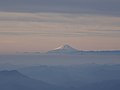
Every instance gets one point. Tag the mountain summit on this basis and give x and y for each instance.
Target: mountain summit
(65, 49)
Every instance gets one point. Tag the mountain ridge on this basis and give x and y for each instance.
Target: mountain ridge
(14, 80)
(67, 49)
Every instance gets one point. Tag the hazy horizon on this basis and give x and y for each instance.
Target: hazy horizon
(37, 25)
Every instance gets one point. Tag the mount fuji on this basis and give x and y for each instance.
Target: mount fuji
(65, 49)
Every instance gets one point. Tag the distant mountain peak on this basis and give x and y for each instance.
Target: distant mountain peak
(65, 49)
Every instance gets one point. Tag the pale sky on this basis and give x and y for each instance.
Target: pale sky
(42, 25)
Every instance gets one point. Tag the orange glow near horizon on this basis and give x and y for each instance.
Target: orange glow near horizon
(41, 32)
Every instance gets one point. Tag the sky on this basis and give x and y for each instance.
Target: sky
(42, 25)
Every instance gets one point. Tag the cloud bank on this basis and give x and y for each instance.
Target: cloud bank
(105, 7)
(58, 24)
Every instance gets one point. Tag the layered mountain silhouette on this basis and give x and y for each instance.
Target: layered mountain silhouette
(13, 80)
(84, 77)
(73, 75)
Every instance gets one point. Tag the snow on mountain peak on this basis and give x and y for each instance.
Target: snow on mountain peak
(65, 47)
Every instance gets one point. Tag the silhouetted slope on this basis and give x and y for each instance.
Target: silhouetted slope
(13, 80)
(73, 75)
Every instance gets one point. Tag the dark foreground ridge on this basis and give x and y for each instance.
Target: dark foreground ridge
(13, 80)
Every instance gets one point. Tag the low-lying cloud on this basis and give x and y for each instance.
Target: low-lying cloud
(104, 7)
